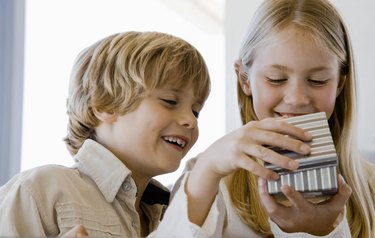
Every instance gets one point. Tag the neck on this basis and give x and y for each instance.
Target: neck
(141, 183)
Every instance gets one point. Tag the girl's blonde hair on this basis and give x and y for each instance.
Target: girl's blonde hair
(114, 74)
(319, 20)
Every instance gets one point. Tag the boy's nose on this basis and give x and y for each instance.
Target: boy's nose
(188, 119)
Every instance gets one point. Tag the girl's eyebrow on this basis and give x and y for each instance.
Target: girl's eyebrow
(320, 68)
(285, 68)
(278, 67)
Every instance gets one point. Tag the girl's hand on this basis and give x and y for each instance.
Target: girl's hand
(303, 216)
(239, 148)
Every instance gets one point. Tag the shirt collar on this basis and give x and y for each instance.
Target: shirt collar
(102, 166)
(109, 173)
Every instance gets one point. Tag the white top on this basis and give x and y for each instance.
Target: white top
(222, 220)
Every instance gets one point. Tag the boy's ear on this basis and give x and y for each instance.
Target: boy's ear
(105, 116)
(242, 78)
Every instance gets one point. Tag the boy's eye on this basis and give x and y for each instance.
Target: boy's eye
(276, 80)
(170, 102)
(196, 114)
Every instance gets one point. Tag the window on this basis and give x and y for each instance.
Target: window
(56, 31)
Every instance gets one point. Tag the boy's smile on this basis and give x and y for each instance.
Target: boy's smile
(153, 138)
(293, 76)
(179, 142)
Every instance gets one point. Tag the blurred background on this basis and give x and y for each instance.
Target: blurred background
(39, 40)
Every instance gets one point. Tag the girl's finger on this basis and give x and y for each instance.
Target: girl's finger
(267, 200)
(268, 155)
(247, 163)
(295, 198)
(284, 128)
(341, 198)
(273, 139)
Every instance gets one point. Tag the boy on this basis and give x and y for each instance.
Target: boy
(133, 105)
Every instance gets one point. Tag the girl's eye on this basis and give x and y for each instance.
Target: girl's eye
(196, 114)
(170, 102)
(317, 82)
(276, 81)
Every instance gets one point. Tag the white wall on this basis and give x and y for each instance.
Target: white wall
(359, 17)
(238, 15)
(46, 81)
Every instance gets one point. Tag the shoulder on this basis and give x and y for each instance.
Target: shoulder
(46, 174)
(39, 179)
(38, 187)
(190, 164)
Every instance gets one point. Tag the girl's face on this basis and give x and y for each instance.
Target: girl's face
(292, 76)
(153, 138)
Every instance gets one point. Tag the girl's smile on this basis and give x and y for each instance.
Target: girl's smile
(293, 76)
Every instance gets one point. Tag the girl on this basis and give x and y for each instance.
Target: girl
(296, 59)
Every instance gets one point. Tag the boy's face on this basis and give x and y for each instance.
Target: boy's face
(153, 138)
(293, 76)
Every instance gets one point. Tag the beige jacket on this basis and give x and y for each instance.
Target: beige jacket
(97, 192)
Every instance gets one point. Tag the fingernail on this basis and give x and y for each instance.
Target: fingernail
(293, 164)
(305, 148)
(308, 135)
(285, 189)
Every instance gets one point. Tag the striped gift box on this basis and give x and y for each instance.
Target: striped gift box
(316, 175)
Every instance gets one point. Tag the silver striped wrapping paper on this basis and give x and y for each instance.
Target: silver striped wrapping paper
(316, 175)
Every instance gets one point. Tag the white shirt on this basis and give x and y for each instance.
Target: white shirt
(222, 220)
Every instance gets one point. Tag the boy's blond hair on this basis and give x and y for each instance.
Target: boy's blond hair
(319, 21)
(114, 74)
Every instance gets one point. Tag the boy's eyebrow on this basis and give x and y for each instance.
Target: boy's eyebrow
(197, 100)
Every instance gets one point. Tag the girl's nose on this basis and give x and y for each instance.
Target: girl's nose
(296, 95)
